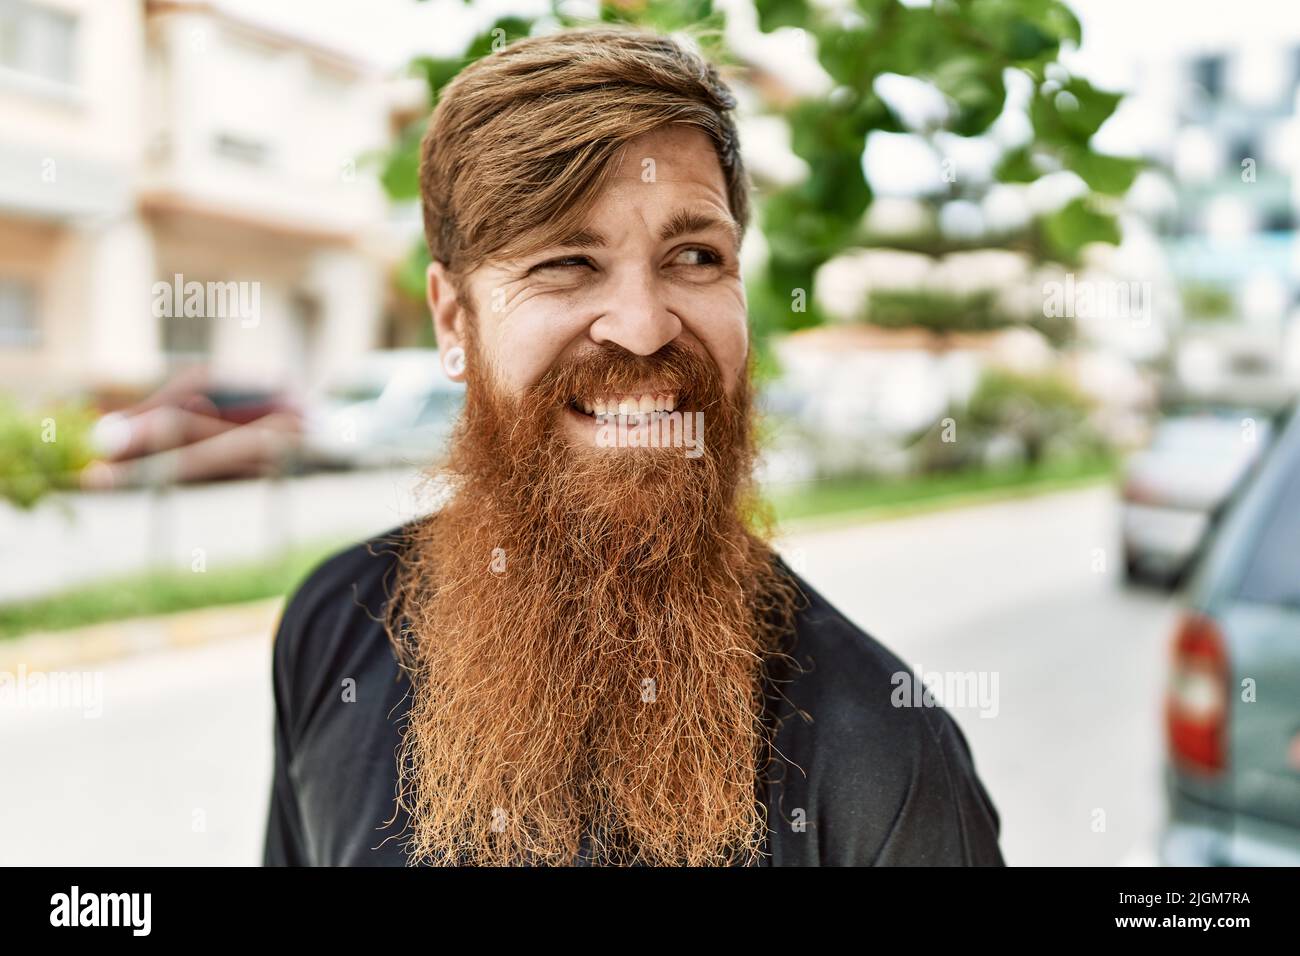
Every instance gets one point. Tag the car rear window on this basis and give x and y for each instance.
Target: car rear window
(1273, 571)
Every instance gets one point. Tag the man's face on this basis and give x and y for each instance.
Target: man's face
(657, 263)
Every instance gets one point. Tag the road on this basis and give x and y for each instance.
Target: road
(176, 769)
(1030, 591)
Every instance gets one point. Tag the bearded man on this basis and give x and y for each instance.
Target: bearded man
(589, 654)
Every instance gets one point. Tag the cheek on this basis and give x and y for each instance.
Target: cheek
(736, 351)
(527, 342)
(722, 326)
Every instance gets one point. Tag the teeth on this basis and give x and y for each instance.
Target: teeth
(638, 406)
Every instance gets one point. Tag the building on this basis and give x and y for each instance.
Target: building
(152, 146)
(1213, 104)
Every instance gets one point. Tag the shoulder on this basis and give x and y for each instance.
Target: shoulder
(353, 580)
(886, 774)
(335, 619)
(850, 677)
(349, 574)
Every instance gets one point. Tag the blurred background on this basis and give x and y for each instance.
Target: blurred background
(1024, 282)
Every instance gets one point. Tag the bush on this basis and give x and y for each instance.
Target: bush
(41, 451)
(1033, 415)
(936, 311)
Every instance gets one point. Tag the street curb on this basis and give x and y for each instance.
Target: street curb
(949, 502)
(113, 640)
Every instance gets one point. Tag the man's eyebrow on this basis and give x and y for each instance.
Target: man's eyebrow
(584, 239)
(683, 222)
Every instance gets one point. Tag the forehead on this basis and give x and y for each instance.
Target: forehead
(671, 178)
(656, 176)
(672, 154)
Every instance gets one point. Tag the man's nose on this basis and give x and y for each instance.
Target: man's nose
(636, 316)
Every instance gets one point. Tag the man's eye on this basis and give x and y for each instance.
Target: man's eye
(564, 262)
(698, 256)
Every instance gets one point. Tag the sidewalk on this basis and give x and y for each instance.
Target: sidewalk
(112, 640)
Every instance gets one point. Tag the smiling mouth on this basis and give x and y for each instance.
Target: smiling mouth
(633, 408)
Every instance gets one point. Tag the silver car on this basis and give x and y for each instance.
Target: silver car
(390, 408)
(1233, 707)
(1171, 490)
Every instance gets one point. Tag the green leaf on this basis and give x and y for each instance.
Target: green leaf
(400, 176)
(781, 13)
(846, 54)
(437, 72)
(502, 32)
(1025, 31)
(411, 274)
(1076, 224)
(1017, 166)
(1070, 114)
(1112, 175)
(976, 88)
(1026, 41)
(665, 16)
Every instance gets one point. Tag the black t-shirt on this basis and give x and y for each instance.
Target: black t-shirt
(862, 782)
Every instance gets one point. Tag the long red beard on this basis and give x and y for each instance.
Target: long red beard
(586, 632)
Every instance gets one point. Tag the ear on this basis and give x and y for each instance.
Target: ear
(448, 316)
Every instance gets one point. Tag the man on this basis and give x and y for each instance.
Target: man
(588, 655)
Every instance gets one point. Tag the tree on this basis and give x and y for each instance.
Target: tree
(964, 49)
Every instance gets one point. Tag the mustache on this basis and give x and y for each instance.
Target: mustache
(611, 369)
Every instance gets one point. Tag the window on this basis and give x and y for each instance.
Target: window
(186, 337)
(1242, 147)
(18, 325)
(1278, 219)
(38, 41)
(241, 148)
(1207, 73)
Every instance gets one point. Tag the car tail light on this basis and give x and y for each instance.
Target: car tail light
(1196, 710)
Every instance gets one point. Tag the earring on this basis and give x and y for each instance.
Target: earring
(453, 360)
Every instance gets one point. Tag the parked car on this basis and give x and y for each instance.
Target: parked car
(1171, 490)
(393, 407)
(192, 429)
(1233, 705)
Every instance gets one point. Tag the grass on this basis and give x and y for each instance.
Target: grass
(162, 592)
(166, 592)
(863, 499)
